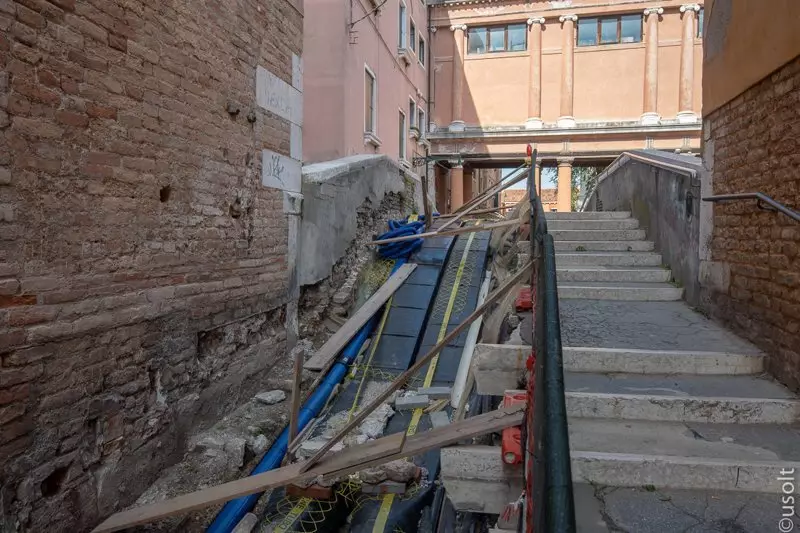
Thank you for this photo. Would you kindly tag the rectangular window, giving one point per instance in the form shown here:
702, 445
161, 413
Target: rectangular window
517, 34
476, 40
587, 32
401, 42
412, 37
403, 134
610, 30
511, 38
421, 121
370, 94
421, 51
412, 112
700, 24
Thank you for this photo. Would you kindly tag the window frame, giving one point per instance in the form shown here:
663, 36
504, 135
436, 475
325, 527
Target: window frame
403, 131
373, 101
412, 34
487, 40
412, 120
421, 50
698, 19
402, 41
599, 30
422, 117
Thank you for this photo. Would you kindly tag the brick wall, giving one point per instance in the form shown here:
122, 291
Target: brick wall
142, 273
756, 145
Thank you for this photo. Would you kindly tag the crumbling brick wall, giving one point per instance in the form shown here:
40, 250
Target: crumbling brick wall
756, 143
143, 279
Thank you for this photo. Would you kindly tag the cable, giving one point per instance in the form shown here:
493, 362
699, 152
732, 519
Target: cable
375, 10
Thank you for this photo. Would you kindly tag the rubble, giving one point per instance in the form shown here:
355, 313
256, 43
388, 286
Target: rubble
272, 397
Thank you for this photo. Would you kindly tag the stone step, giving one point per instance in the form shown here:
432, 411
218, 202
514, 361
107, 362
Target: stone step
618, 452
680, 398
603, 224
665, 362
597, 234
588, 215
668, 471
645, 509
608, 259
615, 274
621, 291
605, 246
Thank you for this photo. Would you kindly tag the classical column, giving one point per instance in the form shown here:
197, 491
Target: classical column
566, 120
458, 77
564, 196
686, 114
650, 116
535, 74
456, 187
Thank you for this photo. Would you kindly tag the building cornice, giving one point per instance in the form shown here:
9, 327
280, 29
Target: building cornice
580, 130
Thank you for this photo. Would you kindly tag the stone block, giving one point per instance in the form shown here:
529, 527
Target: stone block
439, 419
411, 401
435, 393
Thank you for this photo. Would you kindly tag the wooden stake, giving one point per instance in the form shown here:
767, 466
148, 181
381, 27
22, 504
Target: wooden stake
416, 367
457, 231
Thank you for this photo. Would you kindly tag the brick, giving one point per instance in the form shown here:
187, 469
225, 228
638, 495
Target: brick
67, 5
9, 286
93, 63
15, 376
17, 300
30, 17
70, 118
26, 316
101, 111
118, 42
11, 412
15, 430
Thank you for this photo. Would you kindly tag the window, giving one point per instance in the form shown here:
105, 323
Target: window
421, 51
370, 95
610, 30
476, 40
700, 24
402, 124
412, 37
401, 42
511, 38
412, 112
421, 121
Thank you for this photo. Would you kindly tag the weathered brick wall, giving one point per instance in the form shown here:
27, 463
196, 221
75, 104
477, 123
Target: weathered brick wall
142, 273
756, 145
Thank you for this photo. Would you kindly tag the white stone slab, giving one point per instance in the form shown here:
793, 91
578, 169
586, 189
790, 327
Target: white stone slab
297, 72
296, 142
277, 96
280, 172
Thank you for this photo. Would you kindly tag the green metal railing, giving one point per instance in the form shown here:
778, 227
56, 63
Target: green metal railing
549, 502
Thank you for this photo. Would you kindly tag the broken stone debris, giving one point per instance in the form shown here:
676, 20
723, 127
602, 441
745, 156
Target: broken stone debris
399, 470
272, 397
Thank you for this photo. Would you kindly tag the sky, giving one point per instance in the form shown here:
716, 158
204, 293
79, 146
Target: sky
548, 182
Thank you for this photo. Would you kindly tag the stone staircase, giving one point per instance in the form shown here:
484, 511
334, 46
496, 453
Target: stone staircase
673, 425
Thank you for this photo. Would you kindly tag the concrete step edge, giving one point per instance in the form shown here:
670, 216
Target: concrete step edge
609, 360
677, 472
711, 409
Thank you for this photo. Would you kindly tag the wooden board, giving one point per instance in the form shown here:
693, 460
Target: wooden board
421, 361
350, 460
325, 356
458, 231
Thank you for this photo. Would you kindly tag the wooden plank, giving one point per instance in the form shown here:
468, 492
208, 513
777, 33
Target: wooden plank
457, 231
417, 366
347, 461
325, 356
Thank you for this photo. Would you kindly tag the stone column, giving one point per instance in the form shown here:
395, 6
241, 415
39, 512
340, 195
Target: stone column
650, 117
535, 74
565, 119
686, 114
456, 187
564, 197
458, 77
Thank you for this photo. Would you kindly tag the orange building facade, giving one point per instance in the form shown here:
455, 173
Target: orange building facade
580, 80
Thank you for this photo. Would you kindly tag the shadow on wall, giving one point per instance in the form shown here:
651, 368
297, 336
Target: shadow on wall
664, 195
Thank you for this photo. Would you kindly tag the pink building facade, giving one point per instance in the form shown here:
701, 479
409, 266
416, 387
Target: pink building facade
365, 80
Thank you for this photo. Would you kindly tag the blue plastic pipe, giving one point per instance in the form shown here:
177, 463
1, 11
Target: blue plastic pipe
233, 511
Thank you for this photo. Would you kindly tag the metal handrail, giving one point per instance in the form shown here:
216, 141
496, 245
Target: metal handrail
761, 198
550, 505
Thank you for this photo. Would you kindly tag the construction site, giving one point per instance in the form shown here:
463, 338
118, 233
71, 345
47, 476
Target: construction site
399, 266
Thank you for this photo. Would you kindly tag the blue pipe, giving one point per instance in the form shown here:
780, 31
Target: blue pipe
233, 511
